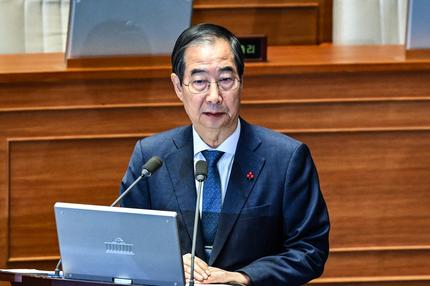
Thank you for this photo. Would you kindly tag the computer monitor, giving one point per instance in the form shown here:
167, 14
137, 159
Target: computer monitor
119, 245
418, 25
101, 28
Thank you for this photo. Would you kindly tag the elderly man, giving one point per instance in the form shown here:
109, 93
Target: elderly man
263, 218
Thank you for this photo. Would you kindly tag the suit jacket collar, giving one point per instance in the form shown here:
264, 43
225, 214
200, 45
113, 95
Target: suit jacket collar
246, 160
180, 164
180, 167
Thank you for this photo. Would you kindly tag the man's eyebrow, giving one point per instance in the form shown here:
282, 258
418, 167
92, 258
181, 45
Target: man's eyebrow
226, 69
194, 71
221, 70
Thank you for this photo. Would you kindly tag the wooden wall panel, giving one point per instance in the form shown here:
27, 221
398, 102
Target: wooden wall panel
345, 86
43, 172
340, 115
374, 281
284, 88
282, 24
94, 167
363, 111
206, 11
83, 93
93, 121
378, 262
377, 184
309, 117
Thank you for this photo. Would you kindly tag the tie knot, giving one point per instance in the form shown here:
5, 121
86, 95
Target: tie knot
212, 156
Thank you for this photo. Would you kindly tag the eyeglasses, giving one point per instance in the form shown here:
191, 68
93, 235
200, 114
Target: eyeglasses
199, 86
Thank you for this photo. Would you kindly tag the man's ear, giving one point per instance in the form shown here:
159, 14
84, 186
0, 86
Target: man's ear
177, 85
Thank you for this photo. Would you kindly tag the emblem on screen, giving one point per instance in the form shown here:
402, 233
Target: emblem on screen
119, 246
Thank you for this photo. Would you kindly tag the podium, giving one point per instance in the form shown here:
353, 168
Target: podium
18, 279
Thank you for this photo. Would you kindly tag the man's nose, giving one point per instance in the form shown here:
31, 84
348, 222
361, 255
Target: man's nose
214, 94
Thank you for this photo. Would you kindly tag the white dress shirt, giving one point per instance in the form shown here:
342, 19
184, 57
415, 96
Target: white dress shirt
225, 163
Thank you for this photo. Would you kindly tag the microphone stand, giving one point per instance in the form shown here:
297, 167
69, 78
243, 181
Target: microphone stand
150, 166
196, 219
119, 199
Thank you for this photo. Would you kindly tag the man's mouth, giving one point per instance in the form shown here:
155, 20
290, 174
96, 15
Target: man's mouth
213, 114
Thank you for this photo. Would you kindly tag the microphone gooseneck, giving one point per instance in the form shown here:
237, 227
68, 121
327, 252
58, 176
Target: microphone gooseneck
200, 175
150, 167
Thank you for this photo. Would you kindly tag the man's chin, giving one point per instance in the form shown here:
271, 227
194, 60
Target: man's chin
214, 122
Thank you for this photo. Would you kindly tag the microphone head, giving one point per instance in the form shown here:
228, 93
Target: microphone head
151, 166
201, 170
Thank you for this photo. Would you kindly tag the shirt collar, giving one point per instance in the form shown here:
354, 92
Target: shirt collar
228, 146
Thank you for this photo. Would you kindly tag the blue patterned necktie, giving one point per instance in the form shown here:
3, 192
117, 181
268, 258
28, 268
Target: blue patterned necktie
211, 198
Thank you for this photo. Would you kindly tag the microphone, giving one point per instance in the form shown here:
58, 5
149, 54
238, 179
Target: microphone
200, 176
151, 166
201, 170
148, 168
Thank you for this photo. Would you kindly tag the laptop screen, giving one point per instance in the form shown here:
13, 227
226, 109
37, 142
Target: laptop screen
125, 27
110, 244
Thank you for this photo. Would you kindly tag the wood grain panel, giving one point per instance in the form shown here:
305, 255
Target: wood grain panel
100, 121
75, 93
325, 10
280, 116
4, 202
410, 280
157, 92
338, 86
377, 263
362, 110
282, 24
377, 186
343, 173
340, 115
282, 60
44, 172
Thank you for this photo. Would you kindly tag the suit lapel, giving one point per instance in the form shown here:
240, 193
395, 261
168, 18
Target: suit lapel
239, 186
180, 164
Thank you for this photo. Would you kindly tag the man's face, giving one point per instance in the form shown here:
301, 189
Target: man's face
213, 110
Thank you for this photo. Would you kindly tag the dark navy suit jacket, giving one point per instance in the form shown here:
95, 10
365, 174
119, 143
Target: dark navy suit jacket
273, 227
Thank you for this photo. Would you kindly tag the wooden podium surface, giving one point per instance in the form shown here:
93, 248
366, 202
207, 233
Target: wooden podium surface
281, 60
43, 280
67, 134
35, 280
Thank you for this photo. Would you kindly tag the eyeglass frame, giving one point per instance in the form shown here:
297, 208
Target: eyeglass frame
209, 85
